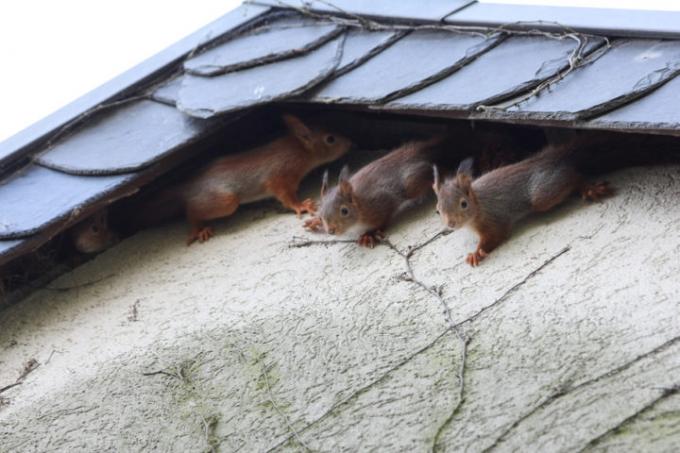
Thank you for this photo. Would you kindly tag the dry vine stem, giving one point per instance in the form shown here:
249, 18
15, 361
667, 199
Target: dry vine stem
575, 60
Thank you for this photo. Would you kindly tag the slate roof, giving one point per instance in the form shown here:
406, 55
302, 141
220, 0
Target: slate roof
582, 68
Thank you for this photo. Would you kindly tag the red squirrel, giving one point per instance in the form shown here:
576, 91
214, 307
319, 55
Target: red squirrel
93, 234
491, 204
366, 202
272, 170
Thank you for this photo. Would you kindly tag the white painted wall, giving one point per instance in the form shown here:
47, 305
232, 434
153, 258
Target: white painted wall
573, 329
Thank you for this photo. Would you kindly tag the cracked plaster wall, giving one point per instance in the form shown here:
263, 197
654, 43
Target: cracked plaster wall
567, 338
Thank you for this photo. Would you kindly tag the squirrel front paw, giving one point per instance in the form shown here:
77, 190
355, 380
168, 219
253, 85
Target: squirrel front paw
473, 259
596, 191
307, 206
200, 235
371, 239
314, 224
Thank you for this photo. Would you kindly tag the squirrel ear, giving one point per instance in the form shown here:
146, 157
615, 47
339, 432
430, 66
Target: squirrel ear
343, 182
464, 183
465, 167
324, 184
437, 182
344, 174
299, 130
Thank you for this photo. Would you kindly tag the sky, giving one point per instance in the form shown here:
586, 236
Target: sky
54, 51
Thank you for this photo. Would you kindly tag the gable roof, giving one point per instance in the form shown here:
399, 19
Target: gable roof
458, 59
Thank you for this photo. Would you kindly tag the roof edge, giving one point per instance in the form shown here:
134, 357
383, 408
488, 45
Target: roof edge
19, 145
611, 22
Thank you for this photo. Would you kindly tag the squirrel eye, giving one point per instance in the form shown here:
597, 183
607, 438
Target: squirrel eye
463, 204
344, 211
330, 139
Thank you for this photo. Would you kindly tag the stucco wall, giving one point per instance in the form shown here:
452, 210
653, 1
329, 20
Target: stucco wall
568, 337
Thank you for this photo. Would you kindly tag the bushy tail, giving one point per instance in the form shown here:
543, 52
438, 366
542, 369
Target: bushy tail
597, 152
149, 210
489, 145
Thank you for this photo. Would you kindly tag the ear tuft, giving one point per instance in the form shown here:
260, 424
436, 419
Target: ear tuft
324, 184
466, 167
344, 174
343, 182
299, 130
436, 185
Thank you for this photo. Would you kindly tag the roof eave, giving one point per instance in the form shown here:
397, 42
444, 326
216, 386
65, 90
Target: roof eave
19, 146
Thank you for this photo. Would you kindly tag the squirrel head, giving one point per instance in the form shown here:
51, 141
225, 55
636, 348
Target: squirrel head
456, 202
93, 234
339, 210
325, 146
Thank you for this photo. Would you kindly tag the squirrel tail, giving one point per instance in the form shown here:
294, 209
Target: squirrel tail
597, 152
151, 210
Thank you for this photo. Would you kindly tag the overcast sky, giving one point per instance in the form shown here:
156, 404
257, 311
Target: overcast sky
53, 51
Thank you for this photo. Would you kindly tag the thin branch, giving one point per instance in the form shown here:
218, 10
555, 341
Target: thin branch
209, 426
613, 430
78, 286
516, 286
568, 388
357, 393
28, 368
166, 373
299, 243
295, 434
353, 20
7, 387
436, 292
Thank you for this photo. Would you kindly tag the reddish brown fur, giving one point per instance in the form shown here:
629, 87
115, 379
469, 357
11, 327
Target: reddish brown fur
493, 203
272, 170
373, 195
93, 234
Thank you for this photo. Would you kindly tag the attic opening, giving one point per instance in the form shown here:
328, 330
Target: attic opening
373, 134
507, 90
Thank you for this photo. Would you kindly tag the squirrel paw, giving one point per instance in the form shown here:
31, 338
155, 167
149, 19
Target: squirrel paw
313, 224
308, 206
201, 235
473, 259
597, 191
371, 239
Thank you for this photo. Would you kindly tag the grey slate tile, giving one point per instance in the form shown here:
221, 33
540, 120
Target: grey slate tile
36, 197
608, 22
517, 64
658, 110
281, 39
209, 96
362, 45
168, 92
416, 60
8, 246
17, 146
420, 10
124, 139
624, 72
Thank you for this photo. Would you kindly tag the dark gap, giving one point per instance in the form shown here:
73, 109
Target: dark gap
372, 132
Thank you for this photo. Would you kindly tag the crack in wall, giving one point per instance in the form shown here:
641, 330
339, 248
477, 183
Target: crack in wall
647, 407
566, 388
294, 433
436, 292
362, 390
515, 287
